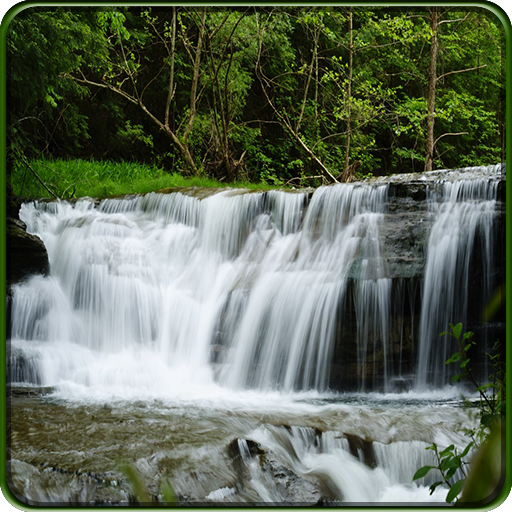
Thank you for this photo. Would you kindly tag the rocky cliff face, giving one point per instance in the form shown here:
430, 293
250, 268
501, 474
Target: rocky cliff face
404, 236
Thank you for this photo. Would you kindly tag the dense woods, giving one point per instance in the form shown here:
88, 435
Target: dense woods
285, 95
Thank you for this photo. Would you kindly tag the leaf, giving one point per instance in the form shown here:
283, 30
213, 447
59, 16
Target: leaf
169, 496
450, 462
136, 482
434, 486
468, 335
487, 419
422, 472
494, 305
454, 358
466, 450
457, 329
456, 378
450, 473
446, 451
486, 386
455, 490
464, 363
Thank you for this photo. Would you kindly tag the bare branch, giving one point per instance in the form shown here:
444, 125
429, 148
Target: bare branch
25, 161
445, 134
128, 70
105, 85
195, 77
460, 71
456, 20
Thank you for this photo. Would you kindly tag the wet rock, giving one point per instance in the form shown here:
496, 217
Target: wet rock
26, 253
362, 449
53, 485
281, 482
293, 488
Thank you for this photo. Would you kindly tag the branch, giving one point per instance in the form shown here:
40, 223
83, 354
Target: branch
103, 86
25, 161
264, 82
460, 71
445, 134
128, 70
453, 21
195, 77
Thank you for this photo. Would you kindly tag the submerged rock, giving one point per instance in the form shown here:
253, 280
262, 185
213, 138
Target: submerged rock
252, 463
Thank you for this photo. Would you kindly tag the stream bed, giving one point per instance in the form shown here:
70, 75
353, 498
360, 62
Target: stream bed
247, 447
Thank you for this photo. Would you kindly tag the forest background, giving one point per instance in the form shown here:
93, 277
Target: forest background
297, 96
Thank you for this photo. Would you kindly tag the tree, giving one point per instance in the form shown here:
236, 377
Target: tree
432, 79
283, 94
42, 45
123, 69
268, 83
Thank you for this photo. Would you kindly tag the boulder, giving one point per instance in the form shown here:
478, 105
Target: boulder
26, 253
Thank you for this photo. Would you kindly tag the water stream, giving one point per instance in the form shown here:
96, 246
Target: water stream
241, 345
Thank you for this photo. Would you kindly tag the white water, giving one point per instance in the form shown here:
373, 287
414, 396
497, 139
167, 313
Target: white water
463, 210
146, 286
234, 303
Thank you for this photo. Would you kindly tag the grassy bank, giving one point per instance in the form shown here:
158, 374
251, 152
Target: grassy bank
79, 178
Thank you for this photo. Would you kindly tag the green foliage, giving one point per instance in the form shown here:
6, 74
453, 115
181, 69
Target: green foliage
54, 54
460, 357
131, 134
449, 461
79, 178
491, 409
487, 467
43, 46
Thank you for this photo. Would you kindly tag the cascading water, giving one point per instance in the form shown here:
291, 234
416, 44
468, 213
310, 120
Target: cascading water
464, 211
166, 276
267, 305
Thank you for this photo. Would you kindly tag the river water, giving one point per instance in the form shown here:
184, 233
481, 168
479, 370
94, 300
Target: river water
191, 337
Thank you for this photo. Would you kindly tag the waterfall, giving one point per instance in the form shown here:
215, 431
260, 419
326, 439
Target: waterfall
464, 213
287, 291
251, 347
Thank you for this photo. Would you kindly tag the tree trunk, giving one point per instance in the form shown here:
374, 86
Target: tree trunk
432, 90
346, 168
195, 78
170, 92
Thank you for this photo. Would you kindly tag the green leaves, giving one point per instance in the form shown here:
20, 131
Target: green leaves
455, 490
456, 330
449, 461
304, 52
423, 471
461, 356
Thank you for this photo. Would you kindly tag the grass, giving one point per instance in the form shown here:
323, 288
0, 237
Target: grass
97, 179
